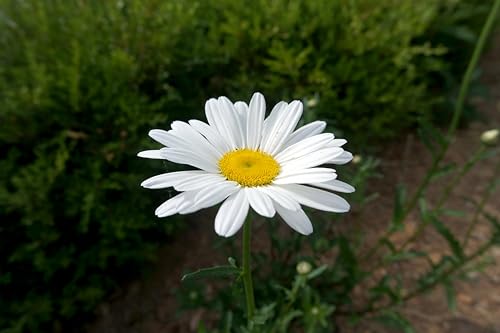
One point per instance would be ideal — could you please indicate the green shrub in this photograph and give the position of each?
(81, 82)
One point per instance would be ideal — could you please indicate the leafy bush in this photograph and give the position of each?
(82, 81)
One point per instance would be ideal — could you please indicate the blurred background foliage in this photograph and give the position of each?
(81, 83)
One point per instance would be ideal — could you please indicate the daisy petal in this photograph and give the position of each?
(184, 141)
(304, 147)
(194, 140)
(183, 156)
(287, 122)
(343, 158)
(231, 214)
(197, 182)
(159, 136)
(296, 219)
(314, 128)
(169, 207)
(153, 154)
(335, 185)
(255, 120)
(316, 198)
(281, 197)
(304, 176)
(270, 125)
(337, 143)
(230, 116)
(188, 206)
(212, 195)
(211, 135)
(242, 110)
(260, 201)
(313, 159)
(170, 179)
(217, 120)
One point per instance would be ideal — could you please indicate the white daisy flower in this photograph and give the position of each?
(246, 160)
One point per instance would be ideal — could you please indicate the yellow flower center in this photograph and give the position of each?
(249, 167)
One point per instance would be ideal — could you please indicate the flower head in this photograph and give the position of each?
(246, 160)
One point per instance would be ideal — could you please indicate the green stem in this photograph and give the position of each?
(489, 191)
(458, 177)
(247, 273)
(425, 287)
(446, 193)
(459, 106)
(464, 87)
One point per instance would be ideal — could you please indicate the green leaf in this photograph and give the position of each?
(399, 208)
(386, 241)
(452, 212)
(495, 238)
(216, 271)
(443, 230)
(405, 255)
(450, 295)
(229, 322)
(395, 320)
(436, 273)
(263, 314)
(347, 258)
(430, 136)
(444, 170)
(317, 272)
(287, 319)
(385, 287)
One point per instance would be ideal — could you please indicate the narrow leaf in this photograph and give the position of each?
(444, 170)
(405, 255)
(386, 241)
(452, 212)
(448, 235)
(430, 136)
(217, 271)
(399, 208)
(395, 320)
(317, 272)
(450, 295)
(229, 322)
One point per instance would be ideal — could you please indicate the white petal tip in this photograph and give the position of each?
(151, 154)
(225, 235)
(345, 209)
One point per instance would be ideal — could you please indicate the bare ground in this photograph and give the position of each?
(148, 306)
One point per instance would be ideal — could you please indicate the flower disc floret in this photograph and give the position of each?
(249, 168)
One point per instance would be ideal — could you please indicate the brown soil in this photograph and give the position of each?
(149, 306)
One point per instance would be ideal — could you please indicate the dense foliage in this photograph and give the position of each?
(81, 82)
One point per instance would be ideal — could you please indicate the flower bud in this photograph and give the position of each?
(490, 137)
(303, 268)
(357, 159)
(312, 102)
